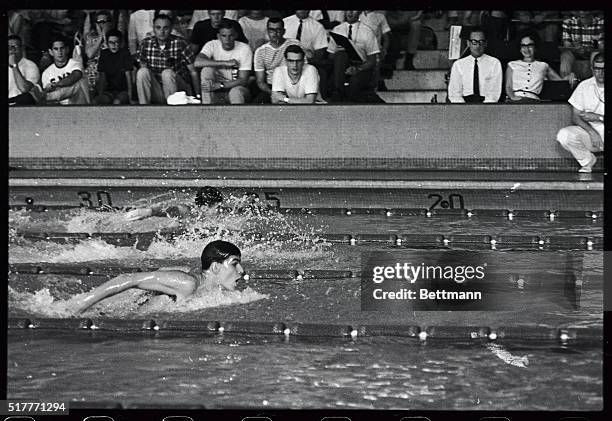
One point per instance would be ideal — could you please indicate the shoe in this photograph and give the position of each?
(588, 167)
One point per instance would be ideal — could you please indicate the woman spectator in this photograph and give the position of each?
(525, 77)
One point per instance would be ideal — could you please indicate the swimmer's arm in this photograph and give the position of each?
(175, 283)
(156, 210)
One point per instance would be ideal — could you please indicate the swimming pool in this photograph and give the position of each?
(319, 364)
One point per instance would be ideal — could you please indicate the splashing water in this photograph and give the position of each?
(263, 234)
(132, 302)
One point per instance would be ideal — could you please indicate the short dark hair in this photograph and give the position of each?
(114, 33)
(294, 49)
(275, 19)
(163, 16)
(15, 37)
(57, 38)
(225, 24)
(474, 29)
(599, 58)
(218, 251)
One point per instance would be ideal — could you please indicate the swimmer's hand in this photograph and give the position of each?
(136, 214)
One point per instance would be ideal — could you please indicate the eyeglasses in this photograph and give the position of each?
(113, 42)
(598, 69)
(531, 44)
(477, 41)
(102, 21)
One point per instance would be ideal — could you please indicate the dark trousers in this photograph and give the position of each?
(360, 86)
(23, 99)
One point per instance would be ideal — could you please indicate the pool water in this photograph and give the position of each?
(269, 371)
(223, 371)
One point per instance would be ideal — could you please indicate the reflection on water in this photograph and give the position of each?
(381, 373)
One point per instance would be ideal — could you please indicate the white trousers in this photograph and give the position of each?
(577, 141)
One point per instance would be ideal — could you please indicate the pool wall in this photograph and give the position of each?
(433, 136)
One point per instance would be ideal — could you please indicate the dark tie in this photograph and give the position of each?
(350, 34)
(476, 79)
(299, 32)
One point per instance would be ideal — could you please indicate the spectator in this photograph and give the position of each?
(254, 26)
(328, 18)
(582, 36)
(140, 26)
(95, 42)
(360, 87)
(165, 64)
(19, 24)
(63, 80)
(114, 72)
(477, 77)
(405, 32)
(587, 136)
(200, 15)
(23, 74)
(207, 30)
(226, 65)
(269, 56)
(525, 78)
(377, 22)
(295, 82)
(313, 39)
(544, 23)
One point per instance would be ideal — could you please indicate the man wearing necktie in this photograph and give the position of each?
(354, 80)
(477, 77)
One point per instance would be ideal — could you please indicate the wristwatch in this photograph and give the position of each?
(222, 85)
(12, 66)
(601, 118)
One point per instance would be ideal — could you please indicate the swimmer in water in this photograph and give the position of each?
(221, 267)
(206, 196)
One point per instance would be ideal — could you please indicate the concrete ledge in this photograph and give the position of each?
(308, 184)
(428, 136)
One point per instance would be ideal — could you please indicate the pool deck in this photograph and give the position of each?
(393, 179)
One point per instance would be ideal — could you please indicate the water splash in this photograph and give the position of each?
(130, 303)
(263, 233)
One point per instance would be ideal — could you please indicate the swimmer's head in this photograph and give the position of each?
(208, 196)
(222, 260)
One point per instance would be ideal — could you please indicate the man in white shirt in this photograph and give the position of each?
(226, 66)
(139, 27)
(295, 82)
(269, 56)
(23, 74)
(361, 84)
(313, 39)
(63, 80)
(477, 77)
(587, 136)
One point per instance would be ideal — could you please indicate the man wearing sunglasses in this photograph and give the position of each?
(477, 77)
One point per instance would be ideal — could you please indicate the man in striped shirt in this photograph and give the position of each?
(582, 36)
(165, 64)
(269, 56)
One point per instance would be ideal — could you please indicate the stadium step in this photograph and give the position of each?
(417, 80)
(443, 37)
(414, 97)
(432, 59)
